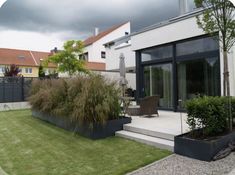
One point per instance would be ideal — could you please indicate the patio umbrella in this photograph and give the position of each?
(123, 82)
(122, 68)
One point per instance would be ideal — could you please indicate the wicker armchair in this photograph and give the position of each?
(149, 105)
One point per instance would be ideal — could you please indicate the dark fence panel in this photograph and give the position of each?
(14, 89)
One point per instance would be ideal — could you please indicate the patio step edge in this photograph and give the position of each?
(149, 140)
(147, 132)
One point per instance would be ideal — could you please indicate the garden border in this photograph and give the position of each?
(98, 131)
(201, 149)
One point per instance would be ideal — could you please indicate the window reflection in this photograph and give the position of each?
(158, 81)
(157, 53)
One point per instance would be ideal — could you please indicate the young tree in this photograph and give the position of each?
(67, 59)
(11, 71)
(41, 72)
(219, 16)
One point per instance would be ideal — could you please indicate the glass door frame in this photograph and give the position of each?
(140, 69)
(171, 82)
(197, 57)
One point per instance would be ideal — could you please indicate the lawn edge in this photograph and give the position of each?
(2, 172)
(147, 166)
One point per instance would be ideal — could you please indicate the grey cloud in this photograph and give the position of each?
(79, 17)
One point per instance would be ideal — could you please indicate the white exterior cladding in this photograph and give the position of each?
(178, 30)
(113, 54)
(166, 34)
(94, 50)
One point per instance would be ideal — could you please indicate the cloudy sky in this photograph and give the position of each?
(44, 24)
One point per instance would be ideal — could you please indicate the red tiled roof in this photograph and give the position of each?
(95, 66)
(39, 56)
(22, 57)
(93, 39)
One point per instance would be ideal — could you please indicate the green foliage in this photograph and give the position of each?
(98, 101)
(84, 99)
(12, 71)
(67, 59)
(209, 114)
(218, 16)
(233, 111)
(52, 74)
(41, 72)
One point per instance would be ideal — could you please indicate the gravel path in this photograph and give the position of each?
(179, 165)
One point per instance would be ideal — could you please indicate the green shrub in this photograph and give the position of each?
(209, 114)
(227, 104)
(85, 99)
(233, 110)
(97, 102)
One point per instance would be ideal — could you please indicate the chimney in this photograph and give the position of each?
(53, 51)
(183, 6)
(96, 31)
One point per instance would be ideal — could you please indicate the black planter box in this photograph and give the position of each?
(200, 149)
(98, 131)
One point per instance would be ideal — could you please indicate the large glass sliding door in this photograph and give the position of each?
(180, 70)
(198, 78)
(158, 81)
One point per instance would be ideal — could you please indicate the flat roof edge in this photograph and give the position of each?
(170, 21)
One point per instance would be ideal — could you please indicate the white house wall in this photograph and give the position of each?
(89, 49)
(115, 76)
(98, 46)
(231, 60)
(180, 30)
(173, 32)
(231, 67)
(113, 54)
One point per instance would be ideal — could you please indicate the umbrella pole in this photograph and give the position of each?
(124, 100)
(123, 90)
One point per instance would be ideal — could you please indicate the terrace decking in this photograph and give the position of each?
(156, 131)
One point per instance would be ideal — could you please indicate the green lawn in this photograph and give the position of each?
(30, 146)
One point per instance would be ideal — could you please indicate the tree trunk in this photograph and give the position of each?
(227, 88)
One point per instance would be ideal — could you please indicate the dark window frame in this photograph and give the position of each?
(156, 48)
(103, 54)
(140, 67)
(84, 56)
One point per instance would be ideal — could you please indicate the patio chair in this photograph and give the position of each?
(148, 107)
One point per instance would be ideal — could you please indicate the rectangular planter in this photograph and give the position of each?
(97, 132)
(200, 149)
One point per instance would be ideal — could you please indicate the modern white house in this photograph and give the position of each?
(178, 61)
(174, 59)
(94, 50)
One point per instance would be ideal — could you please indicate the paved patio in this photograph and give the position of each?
(158, 131)
(167, 125)
(168, 122)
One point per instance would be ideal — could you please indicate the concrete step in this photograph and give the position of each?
(158, 134)
(149, 140)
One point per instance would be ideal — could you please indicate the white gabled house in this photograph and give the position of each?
(113, 51)
(94, 51)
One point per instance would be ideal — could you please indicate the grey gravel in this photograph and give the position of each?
(179, 165)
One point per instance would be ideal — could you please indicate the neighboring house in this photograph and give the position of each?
(174, 59)
(94, 51)
(28, 61)
(113, 51)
